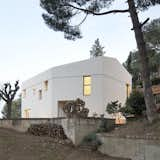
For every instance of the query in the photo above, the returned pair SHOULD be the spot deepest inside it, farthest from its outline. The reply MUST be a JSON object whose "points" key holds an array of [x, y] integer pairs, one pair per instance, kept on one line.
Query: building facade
{"points": [[97, 81]]}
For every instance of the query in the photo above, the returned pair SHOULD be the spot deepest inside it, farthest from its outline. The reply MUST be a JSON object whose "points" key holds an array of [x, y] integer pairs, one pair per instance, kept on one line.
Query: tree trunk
{"points": [[9, 105], [148, 95]]}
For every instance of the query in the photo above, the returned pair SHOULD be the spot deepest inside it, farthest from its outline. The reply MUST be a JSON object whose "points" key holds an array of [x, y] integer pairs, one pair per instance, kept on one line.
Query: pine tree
{"points": [[59, 18], [97, 49]]}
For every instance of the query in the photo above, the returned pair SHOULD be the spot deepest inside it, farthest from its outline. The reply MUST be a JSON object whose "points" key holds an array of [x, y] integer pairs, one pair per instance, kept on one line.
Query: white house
{"points": [[97, 81]]}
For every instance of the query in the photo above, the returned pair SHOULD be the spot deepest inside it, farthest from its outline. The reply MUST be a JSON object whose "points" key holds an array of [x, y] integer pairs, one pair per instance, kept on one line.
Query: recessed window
{"points": [[128, 90], [46, 85], [157, 98], [87, 85], [24, 93], [26, 113], [34, 91], [40, 94]]}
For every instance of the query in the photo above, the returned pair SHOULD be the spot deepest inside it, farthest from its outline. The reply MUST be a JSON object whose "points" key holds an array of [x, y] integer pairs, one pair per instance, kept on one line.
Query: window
{"points": [[46, 85], [40, 94], [34, 91], [157, 98], [24, 93], [26, 113], [87, 85], [128, 90]]}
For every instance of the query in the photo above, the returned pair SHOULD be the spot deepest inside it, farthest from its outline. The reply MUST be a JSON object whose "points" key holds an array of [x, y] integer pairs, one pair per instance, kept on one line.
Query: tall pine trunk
{"points": [[9, 105], [148, 95]]}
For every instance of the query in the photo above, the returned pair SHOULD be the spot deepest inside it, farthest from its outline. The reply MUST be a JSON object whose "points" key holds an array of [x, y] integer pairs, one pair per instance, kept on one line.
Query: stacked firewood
{"points": [[51, 130]]}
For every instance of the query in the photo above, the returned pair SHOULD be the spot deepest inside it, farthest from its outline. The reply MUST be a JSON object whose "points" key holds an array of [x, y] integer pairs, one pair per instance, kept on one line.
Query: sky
{"points": [[28, 46]]}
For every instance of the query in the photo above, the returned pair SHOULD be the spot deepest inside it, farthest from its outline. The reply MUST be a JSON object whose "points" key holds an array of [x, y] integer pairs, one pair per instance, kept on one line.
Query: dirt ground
{"points": [[18, 146], [137, 127]]}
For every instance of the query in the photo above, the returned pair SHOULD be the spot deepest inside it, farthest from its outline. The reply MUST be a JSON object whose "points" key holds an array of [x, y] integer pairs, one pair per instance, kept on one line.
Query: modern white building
{"points": [[97, 81]]}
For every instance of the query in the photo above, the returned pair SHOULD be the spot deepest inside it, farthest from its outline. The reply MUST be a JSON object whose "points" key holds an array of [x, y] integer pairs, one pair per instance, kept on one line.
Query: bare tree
{"points": [[7, 93]]}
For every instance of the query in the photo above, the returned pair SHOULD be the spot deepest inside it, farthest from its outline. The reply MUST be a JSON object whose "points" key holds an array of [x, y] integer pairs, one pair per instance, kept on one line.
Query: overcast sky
{"points": [[28, 46]]}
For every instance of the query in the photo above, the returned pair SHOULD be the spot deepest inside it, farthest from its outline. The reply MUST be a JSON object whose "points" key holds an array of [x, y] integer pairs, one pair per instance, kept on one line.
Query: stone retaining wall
{"points": [[133, 147], [75, 129]]}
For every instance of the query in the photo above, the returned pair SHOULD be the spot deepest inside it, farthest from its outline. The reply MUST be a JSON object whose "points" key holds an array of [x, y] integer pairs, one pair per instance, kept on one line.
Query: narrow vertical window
{"points": [[157, 98], [128, 90], [26, 113], [87, 80], [24, 93], [46, 85], [40, 94], [34, 91]]}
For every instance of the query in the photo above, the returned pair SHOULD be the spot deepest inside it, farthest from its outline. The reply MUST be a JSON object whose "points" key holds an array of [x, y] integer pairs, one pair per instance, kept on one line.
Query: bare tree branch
{"points": [[142, 24], [83, 20], [2, 95]]}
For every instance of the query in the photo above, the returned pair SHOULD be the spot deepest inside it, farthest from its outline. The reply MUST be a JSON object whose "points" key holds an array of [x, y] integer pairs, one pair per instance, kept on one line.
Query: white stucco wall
{"points": [[115, 79], [66, 83]]}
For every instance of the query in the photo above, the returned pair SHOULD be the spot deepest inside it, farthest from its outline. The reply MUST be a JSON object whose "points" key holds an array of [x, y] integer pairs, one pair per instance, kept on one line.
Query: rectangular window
{"points": [[26, 113], [157, 98], [24, 93], [40, 94], [87, 80], [34, 91], [128, 90], [46, 85]]}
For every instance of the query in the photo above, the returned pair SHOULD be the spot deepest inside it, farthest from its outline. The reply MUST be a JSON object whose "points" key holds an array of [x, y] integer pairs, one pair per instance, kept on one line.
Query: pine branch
{"points": [[95, 13]]}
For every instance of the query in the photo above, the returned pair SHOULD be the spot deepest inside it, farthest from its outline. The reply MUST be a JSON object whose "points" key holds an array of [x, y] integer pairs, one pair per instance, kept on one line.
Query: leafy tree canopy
{"points": [[152, 36]]}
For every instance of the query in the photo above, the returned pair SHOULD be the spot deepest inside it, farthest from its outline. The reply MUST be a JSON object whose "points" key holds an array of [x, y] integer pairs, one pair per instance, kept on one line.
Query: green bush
{"points": [[135, 104], [113, 107], [91, 139], [106, 125], [103, 126], [126, 111]]}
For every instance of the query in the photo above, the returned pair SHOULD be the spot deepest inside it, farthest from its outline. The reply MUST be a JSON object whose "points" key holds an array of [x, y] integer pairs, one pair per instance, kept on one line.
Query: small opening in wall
{"points": [[40, 94], [46, 85], [34, 91], [24, 93]]}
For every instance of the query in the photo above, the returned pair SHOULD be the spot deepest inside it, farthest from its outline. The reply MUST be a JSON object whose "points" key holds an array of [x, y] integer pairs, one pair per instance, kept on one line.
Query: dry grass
{"points": [[139, 127], [17, 146]]}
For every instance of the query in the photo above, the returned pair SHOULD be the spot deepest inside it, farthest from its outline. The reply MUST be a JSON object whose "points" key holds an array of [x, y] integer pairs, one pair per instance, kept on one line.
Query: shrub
{"points": [[127, 110], [135, 104], [105, 125], [92, 140], [113, 107]]}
